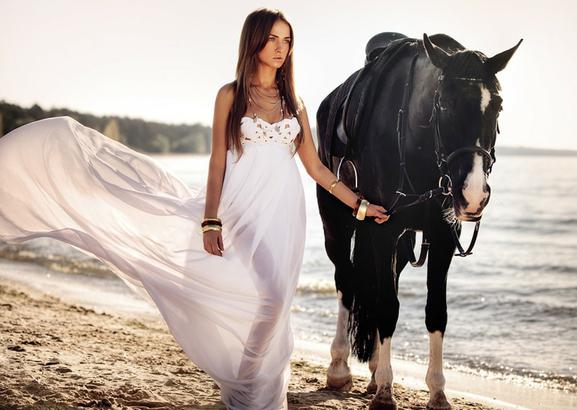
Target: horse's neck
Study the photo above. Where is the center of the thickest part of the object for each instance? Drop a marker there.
(420, 147)
(420, 106)
(425, 82)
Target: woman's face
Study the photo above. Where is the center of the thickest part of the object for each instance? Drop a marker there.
(277, 47)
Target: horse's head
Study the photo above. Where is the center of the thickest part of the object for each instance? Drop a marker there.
(466, 108)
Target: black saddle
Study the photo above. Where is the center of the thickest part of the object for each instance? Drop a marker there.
(380, 52)
(379, 42)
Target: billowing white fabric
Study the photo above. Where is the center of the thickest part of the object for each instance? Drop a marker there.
(230, 314)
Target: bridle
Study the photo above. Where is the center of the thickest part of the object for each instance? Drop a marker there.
(443, 162)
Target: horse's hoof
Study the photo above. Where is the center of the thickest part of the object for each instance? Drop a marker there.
(383, 405)
(438, 401)
(340, 384)
(339, 376)
(383, 400)
(372, 386)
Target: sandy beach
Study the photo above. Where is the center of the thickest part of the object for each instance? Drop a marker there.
(57, 355)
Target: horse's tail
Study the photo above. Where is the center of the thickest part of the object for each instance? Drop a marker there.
(365, 303)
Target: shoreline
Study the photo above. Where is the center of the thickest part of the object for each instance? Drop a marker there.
(42, 302)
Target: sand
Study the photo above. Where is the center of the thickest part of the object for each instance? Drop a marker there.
(57, 355)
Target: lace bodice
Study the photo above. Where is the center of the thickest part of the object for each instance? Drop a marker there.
(258, 131)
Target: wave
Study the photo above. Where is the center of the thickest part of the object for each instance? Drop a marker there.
(526, 310)
(495, 370)
(535, 267)
(54, 261)
(321, 287)
(329, 313)
(539, 225)
(520, 375)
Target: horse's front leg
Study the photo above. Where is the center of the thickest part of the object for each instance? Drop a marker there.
(339, 374)
(440, 256)
(435, 378)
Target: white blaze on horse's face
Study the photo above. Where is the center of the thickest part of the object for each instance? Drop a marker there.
(475, 190)
(485, 98)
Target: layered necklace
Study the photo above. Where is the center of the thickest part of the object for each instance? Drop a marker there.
(266, 102)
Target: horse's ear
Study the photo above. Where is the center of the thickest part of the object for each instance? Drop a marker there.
(437, 55)
(499, 61)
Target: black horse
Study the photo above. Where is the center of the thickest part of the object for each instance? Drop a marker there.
(413, 130)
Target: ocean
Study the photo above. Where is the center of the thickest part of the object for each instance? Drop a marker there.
(512, 305)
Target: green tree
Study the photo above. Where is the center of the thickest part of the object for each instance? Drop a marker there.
(160, 143)
(112, 130)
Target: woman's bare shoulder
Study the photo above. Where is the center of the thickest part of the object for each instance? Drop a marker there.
(226, 92)
(225, 99)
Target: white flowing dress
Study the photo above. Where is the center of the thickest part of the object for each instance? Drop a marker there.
(230, 314)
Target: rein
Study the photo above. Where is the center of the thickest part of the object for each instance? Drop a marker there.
(442, 160)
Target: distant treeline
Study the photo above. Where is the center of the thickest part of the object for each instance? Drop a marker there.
(144, 136)
(526, 151)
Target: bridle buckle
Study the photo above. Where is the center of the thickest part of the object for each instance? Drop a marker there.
(446, 184)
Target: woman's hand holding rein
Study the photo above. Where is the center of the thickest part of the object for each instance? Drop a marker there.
(363, 208)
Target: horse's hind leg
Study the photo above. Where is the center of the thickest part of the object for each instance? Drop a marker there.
(338, 229)
(339, 374)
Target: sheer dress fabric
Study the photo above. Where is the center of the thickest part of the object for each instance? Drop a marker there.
(230, 314)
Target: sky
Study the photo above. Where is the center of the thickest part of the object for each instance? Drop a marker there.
(165, 60)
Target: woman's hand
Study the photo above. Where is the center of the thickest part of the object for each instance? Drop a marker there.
(213, 242)
(378, 212)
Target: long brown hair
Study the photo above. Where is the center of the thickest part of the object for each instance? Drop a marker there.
(254, 36)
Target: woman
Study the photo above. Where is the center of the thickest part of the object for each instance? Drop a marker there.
(223, 283)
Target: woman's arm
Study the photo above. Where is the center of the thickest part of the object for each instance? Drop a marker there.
(217, 165)
(212, 239)
(324, 177)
